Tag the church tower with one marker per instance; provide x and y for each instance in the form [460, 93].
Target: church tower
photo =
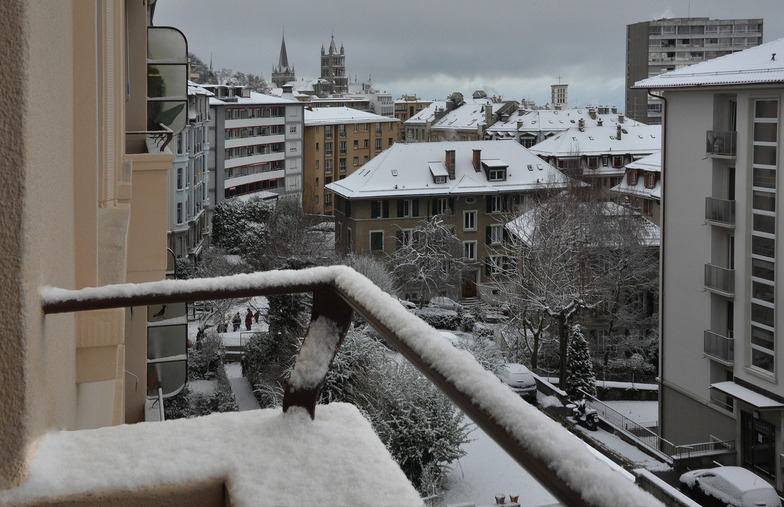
[333, 68]
[282, 73]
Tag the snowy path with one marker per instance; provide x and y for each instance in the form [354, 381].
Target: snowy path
[240, 387]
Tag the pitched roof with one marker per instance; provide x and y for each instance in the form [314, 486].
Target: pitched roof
[756, 65]
[636, 138]
[651, 163]
[408, 170]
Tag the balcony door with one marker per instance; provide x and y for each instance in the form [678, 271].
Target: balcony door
[759, 440]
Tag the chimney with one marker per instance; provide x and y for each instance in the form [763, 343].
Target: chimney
[614, 110]
[618, 132]
[592, 113]
[450, 163]
[599, 122]
[581, 124]
[620, 118]
[477, 160]
[488, 115]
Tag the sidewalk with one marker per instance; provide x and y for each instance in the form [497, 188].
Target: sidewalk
[241, 388]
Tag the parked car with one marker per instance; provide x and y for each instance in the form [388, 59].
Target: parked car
[520, 379]
[735, 486]
[445, 303]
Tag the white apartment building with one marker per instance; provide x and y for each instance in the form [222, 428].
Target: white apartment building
[255, 143]
[663, 45]
[189, 200]
[722, 368]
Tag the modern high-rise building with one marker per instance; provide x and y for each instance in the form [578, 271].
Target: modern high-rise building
[721, 308]
[663, 45]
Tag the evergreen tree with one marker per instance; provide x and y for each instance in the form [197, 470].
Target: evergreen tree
[581, 378]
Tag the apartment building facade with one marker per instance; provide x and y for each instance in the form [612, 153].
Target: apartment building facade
[640, 187]
[721, 360]
[474, 186]
[189, 199]
[338, 142]
[256, 144]
[663, 45]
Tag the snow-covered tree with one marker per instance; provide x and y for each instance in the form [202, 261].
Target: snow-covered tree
[573, 253]
[239, 226]
[374, 270]
[428, 259]
[581, 378]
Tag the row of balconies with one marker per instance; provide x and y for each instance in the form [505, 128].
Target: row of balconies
[718, 279]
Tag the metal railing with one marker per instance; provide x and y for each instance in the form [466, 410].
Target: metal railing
[721, 143]
[720, 279]
[338, 292]
[719, 347]
[720, 211]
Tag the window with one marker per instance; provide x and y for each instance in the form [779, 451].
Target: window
[403, 238]
[356, 144]
[342, 147]
[763, 237]
[366, 143]
[317, 146]
[179, 178]
[495, 203]
[495, 234]
[495, 265]
[379, 209]
[593, 162]
[293, 129]
[378, 145]
[469, 220]
[328, 149]
[617, 161]
[356, 161]
[342, 130]
[377, 241]
[442, 206]
[328, 131]
[496, 175]
[647, 207]
[179, 212]
[650, 180]
[342, 165]
[469, 250]
[328, 167]
[631, 177]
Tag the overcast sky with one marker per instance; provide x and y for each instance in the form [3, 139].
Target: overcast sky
[512, 48]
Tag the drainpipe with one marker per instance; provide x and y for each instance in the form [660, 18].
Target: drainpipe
[662, 211]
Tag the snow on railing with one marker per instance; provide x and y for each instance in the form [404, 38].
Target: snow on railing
[557, 459]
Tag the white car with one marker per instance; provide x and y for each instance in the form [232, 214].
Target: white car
[735, 486]
[445, 303]
[520, 379]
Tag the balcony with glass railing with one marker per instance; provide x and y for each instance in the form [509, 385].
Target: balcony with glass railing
[720, 211]
[718, 347]
[720, 280]
[721, 143]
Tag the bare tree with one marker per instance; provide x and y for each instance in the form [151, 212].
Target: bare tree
[574, 254]
[428, 259]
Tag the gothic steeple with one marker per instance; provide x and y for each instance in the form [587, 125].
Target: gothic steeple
[282, 73]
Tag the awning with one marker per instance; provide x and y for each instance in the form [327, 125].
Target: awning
[746, 395]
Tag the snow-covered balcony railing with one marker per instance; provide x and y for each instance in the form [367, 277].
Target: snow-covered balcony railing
[719, 347]
[721, 143]
[720, 211]
[556, 458]
[720, 280]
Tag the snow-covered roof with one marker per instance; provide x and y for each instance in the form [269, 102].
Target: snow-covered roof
[523, 227]
[553, 120]
[427, 114]
[197, 89]
[746, 395]
[255, 98]
[636, 139]
[763, 64]
[334, 115]
[408, 170]
[263, 456]
[467, 116]
[651, 163]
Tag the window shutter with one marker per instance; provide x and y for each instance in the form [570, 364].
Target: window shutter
[452, 204]
[488, 204]
[348, 208]
[488, 235]
[415, 208]
[506, 235]
[435, 206]
[487, 266]
[399, 238]
[399, 207]
[385, 204]
[503, 203]
[374, 211]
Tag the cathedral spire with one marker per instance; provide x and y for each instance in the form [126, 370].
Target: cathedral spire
[283, 60]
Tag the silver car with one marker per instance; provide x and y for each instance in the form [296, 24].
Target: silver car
[735, 486]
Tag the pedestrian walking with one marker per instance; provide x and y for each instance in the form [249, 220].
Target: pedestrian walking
[236, 321]
[248, 319]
